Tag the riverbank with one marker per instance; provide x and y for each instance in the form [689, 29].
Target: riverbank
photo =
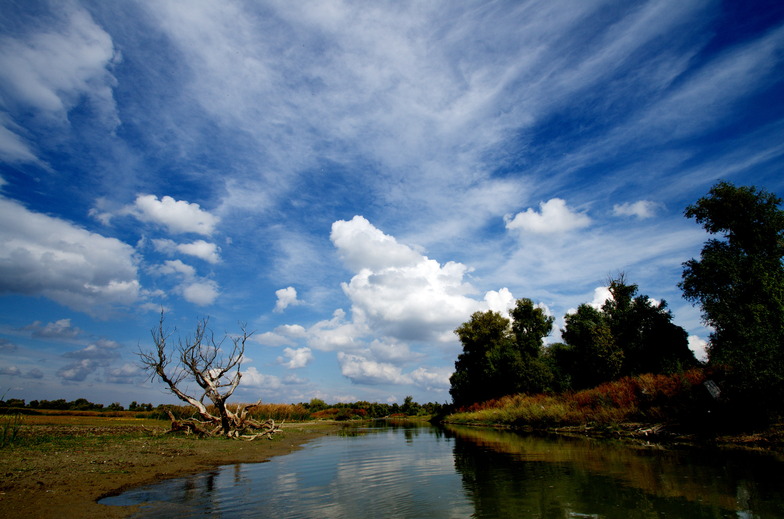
[62, 469]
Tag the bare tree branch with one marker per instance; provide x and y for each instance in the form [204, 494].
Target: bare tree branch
[203, 360]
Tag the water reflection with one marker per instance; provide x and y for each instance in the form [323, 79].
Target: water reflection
[414, 471]
[511, 475]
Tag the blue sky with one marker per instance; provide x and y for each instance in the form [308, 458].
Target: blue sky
[354, 179]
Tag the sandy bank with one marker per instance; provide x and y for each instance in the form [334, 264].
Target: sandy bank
[63, 478]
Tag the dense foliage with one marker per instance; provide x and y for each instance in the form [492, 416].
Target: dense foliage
[739, 284]
[738, 281]
[629, 335]
[500, 356]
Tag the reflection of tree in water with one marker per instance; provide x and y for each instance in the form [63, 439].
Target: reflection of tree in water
[511, 475]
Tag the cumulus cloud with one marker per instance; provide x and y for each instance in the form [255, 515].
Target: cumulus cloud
[362, 370]
[46, 256]
[363, 246]
[194, 289]
[641, 209]
[699, 347]
[89, 360]
[125, 374]
[100, 350]
[79, 370]
[13, 371]
[397, 291]
[60, 329]
[284, 335]
[201, 249]
[296, 358]
[176, 216]
[203, 292]
[600, 296]
[399, 298]
[252, 377]
[10, 371]
[554, 216]
[286, 297]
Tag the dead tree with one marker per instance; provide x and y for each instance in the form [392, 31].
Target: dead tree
[216, 371]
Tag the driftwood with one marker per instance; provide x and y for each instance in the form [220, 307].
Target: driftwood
[215, 367]
[242, 427]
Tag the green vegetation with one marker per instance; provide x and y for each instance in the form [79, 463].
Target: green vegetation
[501, 357]
[629, 349]
[629, 335]
[739, 284]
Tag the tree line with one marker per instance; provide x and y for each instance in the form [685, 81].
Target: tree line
[738, 282]
[80, 404]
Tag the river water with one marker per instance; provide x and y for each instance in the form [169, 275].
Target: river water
[412, 471]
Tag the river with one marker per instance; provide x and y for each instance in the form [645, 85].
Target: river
[420, 471]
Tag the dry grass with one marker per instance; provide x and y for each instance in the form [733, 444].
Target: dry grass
[641, 398]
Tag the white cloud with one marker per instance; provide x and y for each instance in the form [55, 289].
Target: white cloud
[99, 350]
[296, 358]
[362, 370]
[199, 248]
[203, 292]
[194, 289]
[286, 297]
[176, 267]
[554, 217]
[284, 335]
[79, 370]
[400, 293]
[177, 216]
[699, 347]
[336, 333]
[89, 360]
[125, 374]
[500, 301]
[13, 147]
[600, 296]
[252, 377]
[60, 329]
[56, 69]
[362, 246]
[432, 379]
[642, 209]
[45, 256]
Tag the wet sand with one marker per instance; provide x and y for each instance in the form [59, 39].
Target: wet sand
[64, 479]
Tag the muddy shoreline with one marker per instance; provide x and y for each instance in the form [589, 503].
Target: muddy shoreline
[66, 479]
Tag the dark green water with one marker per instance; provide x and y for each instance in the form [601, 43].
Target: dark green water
[465, 472]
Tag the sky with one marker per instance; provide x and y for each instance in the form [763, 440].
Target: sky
[351, 180]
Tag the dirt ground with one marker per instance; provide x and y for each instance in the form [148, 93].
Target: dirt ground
[61, 470]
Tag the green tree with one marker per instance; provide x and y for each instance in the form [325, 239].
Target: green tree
[739, 284]
[500, 356]
[644, 331]
[596, 356]
[629, 335]
[472, 379]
